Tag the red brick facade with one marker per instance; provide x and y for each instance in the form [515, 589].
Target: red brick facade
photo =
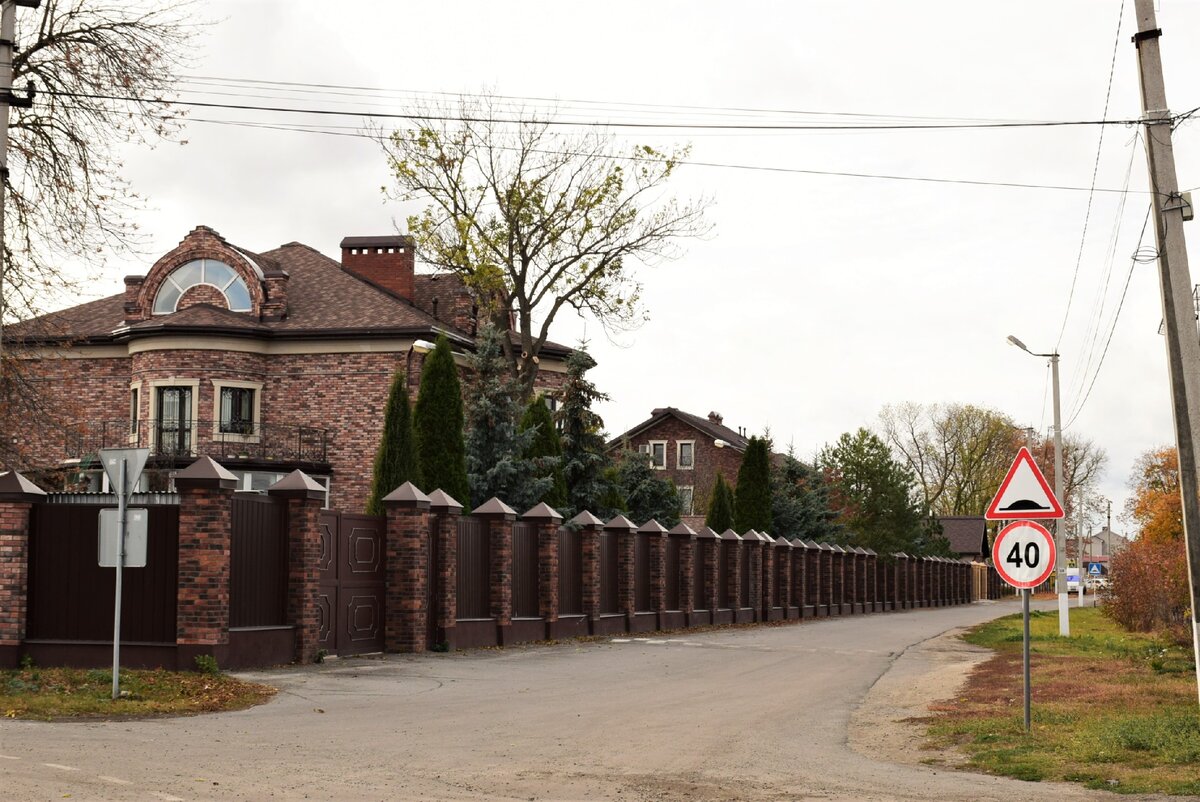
[14, 572]
[202, 604]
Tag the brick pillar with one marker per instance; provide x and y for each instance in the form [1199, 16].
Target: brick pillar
[657, 533]
[625, 532]
[871, 572]
[202, 599]
[752, 553]
[854, 579]
[17, 497]
[812, 576]
[686, 537]
[914, 585]
[732, 554]
[407, 591]
[547, 520]
[712, 553]
[499, 518]
[589, 539]
[769, 578]
[445, 599]
[784, 554]
[303, 497]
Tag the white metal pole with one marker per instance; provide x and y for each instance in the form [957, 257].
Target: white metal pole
[116, 668]
[1060, 567]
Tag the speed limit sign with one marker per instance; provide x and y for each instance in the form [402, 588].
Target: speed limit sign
[1024, 554]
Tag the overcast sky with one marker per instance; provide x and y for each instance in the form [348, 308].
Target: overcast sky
[817, 299]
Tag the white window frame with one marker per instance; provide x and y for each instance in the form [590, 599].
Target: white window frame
[136, 420]
[174, 381]
[679, 444]
[690, 509]
[650, 451]
[231, 437]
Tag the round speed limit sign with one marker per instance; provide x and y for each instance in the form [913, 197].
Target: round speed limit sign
[1024, 554]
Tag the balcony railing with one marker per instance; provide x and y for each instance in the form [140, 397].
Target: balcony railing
[179, 440]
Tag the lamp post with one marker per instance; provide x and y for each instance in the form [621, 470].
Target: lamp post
[1060, 567]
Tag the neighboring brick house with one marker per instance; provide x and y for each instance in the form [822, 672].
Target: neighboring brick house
[690, 451]
[266, 362]
[967, 535]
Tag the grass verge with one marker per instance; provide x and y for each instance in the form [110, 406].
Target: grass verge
[63, 693]
[1111, 709]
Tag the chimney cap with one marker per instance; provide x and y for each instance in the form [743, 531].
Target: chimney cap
[384, 241]
[716, 418]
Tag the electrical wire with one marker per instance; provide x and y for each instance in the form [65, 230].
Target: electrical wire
[1087, 216]
[362, 134]
[1133, 261]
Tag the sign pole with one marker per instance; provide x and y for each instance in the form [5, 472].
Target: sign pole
[116, 669]
[1025, 611]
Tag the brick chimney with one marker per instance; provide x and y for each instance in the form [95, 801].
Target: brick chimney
[387, 261]
[715, 417]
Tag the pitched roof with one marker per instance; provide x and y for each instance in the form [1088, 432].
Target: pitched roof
[717, 431]
[967, 533]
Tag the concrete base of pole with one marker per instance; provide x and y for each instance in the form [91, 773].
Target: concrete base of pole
[1064, 617]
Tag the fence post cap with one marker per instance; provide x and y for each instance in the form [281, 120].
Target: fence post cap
[652, 527]
[729, 534]
[621, 523]
[407, 495]
[682, 530]
[205, 474]
[824, 547]
[15, 487]
[297, 484]
[585, 518]
[495, 508]
[542, 512]
[871, 552]
[782, 541]
[443, 502]
[706, 533]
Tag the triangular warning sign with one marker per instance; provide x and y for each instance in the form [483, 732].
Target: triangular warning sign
[1024, 493]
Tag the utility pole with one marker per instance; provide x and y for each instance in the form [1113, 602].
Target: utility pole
[1060, 488]
[1179, 314]
[8, 33]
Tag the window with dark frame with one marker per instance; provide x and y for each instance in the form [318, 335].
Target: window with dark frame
[237, 410]
[133, 411]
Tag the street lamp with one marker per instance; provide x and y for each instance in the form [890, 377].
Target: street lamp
[1060, 581]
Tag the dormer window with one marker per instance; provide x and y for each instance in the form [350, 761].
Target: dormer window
[215, 274]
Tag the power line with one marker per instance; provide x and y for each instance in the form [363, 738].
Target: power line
[360, 134]
[1133, 261]
[422, 117]
[1087, 216]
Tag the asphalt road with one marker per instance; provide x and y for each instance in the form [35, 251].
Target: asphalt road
[754, 713]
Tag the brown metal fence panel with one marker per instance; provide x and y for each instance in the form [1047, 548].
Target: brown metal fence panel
[744, 581]
[525, 570]
[258, 556]
[782, 560]
[724, 554]
[570, 572]
[608, 573]
[71, 596]
[641, 573]
[699, 587]
[474, 558]
[672, 569]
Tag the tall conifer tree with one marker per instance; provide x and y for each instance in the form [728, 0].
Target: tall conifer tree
[720, 506]
[396, 460]
[439, 425]
[588, 471]
[546, 450]
[752, 499]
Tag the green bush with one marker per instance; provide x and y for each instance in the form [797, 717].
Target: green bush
[207, 664]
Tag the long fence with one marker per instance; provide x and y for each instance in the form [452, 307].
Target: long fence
[501, 578]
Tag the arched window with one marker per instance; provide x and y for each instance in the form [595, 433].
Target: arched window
[202, 271]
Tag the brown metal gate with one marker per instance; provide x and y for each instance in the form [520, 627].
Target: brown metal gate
[351, 601]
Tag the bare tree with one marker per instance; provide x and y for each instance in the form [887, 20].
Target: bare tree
[535, 220]
[959, 452]
[100, 70]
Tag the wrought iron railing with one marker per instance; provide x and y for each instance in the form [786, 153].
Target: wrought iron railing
[171, 440]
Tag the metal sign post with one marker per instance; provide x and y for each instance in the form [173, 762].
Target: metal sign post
[1024, 556]
[124, 467]
[116, 669]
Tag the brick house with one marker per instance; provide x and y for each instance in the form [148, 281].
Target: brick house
[690, 451]
[967, 535]
[267, 362]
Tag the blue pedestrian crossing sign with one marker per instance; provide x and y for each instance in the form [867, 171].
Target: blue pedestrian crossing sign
[1094, 569]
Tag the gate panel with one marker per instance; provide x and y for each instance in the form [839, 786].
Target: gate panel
[570, 572]
[258, 562]
[353, 554]
[608, 573]
[525, 570]
[672, 574]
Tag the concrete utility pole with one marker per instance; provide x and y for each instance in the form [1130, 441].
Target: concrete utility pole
[8, 32]
[1179, 314]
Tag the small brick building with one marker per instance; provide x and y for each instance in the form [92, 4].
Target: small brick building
[267, 362]
[690, 451]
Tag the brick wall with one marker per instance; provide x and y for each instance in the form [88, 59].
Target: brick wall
[14, 575]
[202, 601]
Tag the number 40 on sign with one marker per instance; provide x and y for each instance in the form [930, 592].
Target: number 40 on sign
[1024, 554]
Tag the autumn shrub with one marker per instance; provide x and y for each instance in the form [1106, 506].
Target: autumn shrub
[1149, 590]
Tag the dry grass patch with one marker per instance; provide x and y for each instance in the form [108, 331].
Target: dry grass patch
[68, 693]
[1111, 709]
